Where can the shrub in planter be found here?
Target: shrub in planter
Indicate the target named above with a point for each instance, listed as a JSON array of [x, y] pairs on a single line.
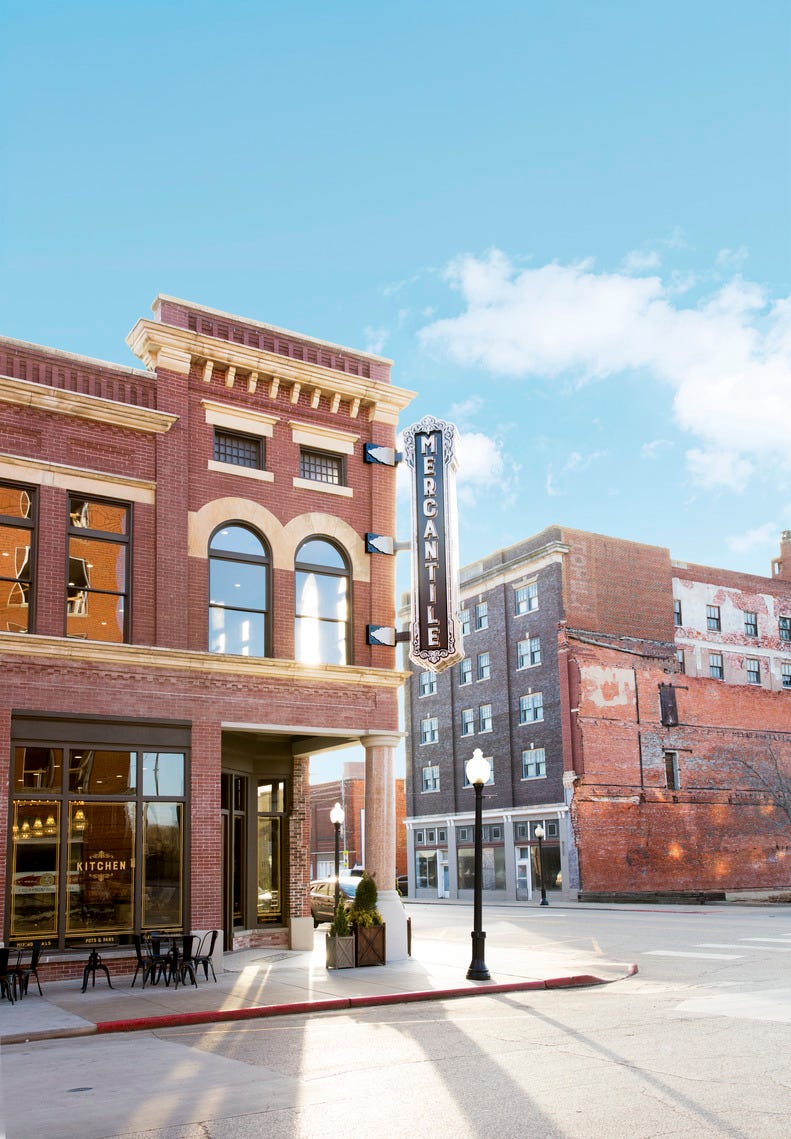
[[369, 929], [340, 941]]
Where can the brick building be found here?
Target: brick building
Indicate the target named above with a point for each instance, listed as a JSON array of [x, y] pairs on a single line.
[[555, 627], [184, 595], [349, 791]]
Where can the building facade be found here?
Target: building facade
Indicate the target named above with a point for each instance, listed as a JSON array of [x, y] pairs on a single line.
[[349, 791], [184, 597], [606, 681]]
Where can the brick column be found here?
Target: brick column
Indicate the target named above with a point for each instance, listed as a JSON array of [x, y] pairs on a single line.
[[380, 845]]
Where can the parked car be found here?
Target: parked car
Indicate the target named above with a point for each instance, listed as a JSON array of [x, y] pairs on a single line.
[[322, 897], [402, 884]]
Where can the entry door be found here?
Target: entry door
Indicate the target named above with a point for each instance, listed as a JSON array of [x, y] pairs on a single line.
[[234, 844], [523, 878], [443, 877]]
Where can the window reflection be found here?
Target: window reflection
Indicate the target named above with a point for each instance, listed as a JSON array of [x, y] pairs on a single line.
[[238, 592], [16, 532], [97, 582], [321, 629]]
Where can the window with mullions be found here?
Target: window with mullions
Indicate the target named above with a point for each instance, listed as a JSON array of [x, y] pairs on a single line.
[[784, 628], [428, 683], [321, 629], [528, 652], [485, 718], [713, 618], [526, 599], [98, 572], [270, 850], [321, 466], [465, 671], [534, 763], [482, 615], [238, 592], [97, 843], [16, 542], [238, 450], [531, 708], [750, 623]]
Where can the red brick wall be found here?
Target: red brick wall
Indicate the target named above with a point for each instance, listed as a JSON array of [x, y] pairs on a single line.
[[618, 587], [728, 825]]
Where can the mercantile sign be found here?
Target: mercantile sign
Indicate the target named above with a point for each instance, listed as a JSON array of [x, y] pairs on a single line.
[[430, 448]]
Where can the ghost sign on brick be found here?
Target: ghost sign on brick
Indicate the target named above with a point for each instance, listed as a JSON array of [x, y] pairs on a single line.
[[430, 453]]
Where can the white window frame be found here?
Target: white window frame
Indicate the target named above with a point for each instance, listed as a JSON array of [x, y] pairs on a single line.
[[485, 719], [430, 779], [526, 599], [482, 615], [533, 702], [539, 763], [468, 721], [487, 666], [427, 684], [429, 731]]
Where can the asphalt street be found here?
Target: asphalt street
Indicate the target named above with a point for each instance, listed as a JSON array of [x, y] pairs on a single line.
[[696, 1044]]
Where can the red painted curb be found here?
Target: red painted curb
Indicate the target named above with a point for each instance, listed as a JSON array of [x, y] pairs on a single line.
[[338, 1004]]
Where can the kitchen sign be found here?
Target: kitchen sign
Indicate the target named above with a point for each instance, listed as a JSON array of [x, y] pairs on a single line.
[[430, 452]]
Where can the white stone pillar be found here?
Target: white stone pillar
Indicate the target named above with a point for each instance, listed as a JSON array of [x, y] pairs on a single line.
[[380, 837]]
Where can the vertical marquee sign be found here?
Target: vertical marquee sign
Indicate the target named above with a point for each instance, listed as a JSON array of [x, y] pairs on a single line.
[[430, 453]]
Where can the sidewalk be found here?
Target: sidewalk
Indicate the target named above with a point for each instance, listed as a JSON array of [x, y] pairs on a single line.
[[270, 982]]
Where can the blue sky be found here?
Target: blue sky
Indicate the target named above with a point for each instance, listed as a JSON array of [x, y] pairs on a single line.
[[568, 224]]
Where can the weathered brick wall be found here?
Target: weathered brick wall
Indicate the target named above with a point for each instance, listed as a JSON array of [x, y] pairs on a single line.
[[727, 826]]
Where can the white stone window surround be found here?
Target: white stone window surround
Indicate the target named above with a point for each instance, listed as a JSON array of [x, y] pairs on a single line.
[[245, 422], [318, 438]]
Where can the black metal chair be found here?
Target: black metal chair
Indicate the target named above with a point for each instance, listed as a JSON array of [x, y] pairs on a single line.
[[203, 958], [184, 962], [153, 965], [22, 972], [7, 980]]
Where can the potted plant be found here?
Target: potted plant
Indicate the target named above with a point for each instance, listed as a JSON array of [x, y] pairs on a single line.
[[340, 941], [369, 929]]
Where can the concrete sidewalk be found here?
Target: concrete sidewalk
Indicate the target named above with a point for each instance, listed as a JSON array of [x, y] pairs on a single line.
[[271, 982]]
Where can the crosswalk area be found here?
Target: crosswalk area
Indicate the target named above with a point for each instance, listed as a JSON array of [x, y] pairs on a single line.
[[723, 949]]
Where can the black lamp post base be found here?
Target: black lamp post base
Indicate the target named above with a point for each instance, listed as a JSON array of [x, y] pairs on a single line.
[[477, 970], [544, 902]]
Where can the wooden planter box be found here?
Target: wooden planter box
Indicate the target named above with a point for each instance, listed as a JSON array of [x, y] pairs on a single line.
[[370, 944], [340, 952]]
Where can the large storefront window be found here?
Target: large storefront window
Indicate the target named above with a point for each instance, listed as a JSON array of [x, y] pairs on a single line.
[[426, 870], [271, 811], [493, 867], [97, 843]]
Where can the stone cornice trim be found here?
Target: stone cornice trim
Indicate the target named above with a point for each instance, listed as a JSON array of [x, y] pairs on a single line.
[[321, 437], [526, 566], [165, 346], [238, 418], [41, 473], [34, 649], [96, 409]]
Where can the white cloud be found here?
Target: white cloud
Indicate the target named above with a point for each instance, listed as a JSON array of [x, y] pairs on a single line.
[[638, 260], [375, 339], [727, 357], [731, 260], [766, 535], [467, 409], [481, 466], [719, 468], [654, 449]]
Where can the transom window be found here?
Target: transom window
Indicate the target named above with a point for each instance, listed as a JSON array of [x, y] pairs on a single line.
[[429, 730], [526, 598], [534, 763], [467, 722], [97, 588], [484, 666], [716, 669], [16, 542], [321, 466], [322, 581], [238, 592], [750, 623], [428, 683], [485, 718], [713, 618], [239, 450], [431, 778], [482, 615], [531, 708]]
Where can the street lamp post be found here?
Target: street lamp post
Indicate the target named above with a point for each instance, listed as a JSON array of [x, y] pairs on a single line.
[[478, 772], [539, 833], [336, 818]]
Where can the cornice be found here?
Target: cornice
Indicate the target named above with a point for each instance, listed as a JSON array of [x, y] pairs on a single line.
[[75, 358], [524, 565], [34, 649], [96, 409], [164, 345]]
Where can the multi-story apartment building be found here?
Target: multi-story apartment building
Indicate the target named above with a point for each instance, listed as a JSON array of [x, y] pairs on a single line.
[[533, 694], [185, 591]]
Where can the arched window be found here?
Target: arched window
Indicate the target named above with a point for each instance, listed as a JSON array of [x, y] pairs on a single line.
[[321, 629], [238, 592]]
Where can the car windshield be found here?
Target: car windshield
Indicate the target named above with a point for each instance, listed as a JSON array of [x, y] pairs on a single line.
[[349, 888]]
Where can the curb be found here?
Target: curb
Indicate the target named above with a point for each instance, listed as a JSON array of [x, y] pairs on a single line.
[[336, 1004]]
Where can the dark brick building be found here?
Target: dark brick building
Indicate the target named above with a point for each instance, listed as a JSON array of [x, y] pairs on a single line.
[[184, 595], [577, 743]]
